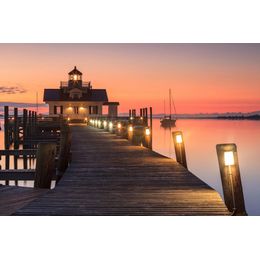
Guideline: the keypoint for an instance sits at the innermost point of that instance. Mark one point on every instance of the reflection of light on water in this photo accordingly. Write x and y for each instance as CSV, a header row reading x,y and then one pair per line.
x,y
201,137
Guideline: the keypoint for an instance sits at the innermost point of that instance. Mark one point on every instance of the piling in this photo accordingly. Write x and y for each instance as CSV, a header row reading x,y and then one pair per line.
x,y
45,165
230,177
179,148
25,134
151,126
7,138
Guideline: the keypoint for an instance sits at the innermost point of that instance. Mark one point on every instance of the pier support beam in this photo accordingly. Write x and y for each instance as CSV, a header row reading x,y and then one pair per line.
x,y
230,177
45,165
179,148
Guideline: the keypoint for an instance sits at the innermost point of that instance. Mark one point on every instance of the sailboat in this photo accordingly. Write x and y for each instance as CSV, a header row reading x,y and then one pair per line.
x,y
169,121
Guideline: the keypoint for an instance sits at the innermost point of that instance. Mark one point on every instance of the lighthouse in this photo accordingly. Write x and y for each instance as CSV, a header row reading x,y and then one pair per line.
x,y
77,99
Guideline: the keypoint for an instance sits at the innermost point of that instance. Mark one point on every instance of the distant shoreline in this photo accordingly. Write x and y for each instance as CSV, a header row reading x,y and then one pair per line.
x,y
254,117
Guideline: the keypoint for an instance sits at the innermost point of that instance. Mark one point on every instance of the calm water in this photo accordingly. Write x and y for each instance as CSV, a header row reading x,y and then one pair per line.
x,y
201,137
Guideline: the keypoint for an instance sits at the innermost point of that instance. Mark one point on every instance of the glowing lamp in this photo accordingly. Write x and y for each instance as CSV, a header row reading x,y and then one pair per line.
x,y
229,158
178,139
105,123
68,119
131,129
141,118
86,119
119,125
81,108
131,118
147,132
110,125
75,77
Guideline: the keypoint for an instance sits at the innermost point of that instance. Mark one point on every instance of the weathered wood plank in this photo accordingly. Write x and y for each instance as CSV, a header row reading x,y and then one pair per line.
x,y
108,176
13,198
19,175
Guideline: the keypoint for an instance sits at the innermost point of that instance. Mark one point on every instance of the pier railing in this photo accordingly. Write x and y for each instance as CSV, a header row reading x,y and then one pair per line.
x,y
36,148
136,128
85,84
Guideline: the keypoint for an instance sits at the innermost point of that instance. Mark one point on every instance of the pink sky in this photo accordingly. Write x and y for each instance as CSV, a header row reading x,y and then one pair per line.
x,y
204,78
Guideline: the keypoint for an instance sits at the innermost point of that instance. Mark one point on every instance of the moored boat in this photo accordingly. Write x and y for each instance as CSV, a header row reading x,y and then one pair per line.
x,y
169,121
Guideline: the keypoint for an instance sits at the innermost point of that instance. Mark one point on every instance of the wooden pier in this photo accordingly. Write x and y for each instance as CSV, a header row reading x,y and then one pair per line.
x,y
110,176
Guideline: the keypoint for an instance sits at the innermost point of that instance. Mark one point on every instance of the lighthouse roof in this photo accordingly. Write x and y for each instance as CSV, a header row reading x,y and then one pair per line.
x,y
75,71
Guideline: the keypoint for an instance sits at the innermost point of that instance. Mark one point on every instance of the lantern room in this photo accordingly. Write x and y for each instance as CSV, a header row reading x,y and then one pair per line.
x,y
75,78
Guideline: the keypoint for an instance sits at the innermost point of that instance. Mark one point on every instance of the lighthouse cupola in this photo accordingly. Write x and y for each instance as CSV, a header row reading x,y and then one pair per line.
x,y
75,78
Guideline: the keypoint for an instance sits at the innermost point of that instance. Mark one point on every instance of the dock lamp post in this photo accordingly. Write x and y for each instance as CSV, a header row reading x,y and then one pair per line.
x,y
130,132
230,178
105,124
179,148
147,138
110,126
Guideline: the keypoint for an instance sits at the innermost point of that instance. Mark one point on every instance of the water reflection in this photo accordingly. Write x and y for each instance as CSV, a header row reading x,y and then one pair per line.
x,y
201,137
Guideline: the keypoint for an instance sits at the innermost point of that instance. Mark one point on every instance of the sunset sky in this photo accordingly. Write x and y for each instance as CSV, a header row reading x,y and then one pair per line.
x,y
204,78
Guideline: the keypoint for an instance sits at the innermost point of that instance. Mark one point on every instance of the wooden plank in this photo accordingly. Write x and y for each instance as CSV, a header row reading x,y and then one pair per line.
x,y
13,198
108,176
15,175
19,175
17,152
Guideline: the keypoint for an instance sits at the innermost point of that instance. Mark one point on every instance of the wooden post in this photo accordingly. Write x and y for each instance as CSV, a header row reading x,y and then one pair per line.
x,y
7,138
33,123
145,119
25,118
16,129
151,126
6,128
130,113
138,135
134,112
45,165
30,124
141,112
230,177
147,137
130,130
16,138
179,148
25,134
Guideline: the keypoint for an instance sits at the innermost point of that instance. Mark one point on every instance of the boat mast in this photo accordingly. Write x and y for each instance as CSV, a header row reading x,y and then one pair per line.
x,y
170,103
174,108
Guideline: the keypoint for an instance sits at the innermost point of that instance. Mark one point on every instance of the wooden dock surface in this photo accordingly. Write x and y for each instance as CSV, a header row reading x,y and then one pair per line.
x,y
13,198
109,176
